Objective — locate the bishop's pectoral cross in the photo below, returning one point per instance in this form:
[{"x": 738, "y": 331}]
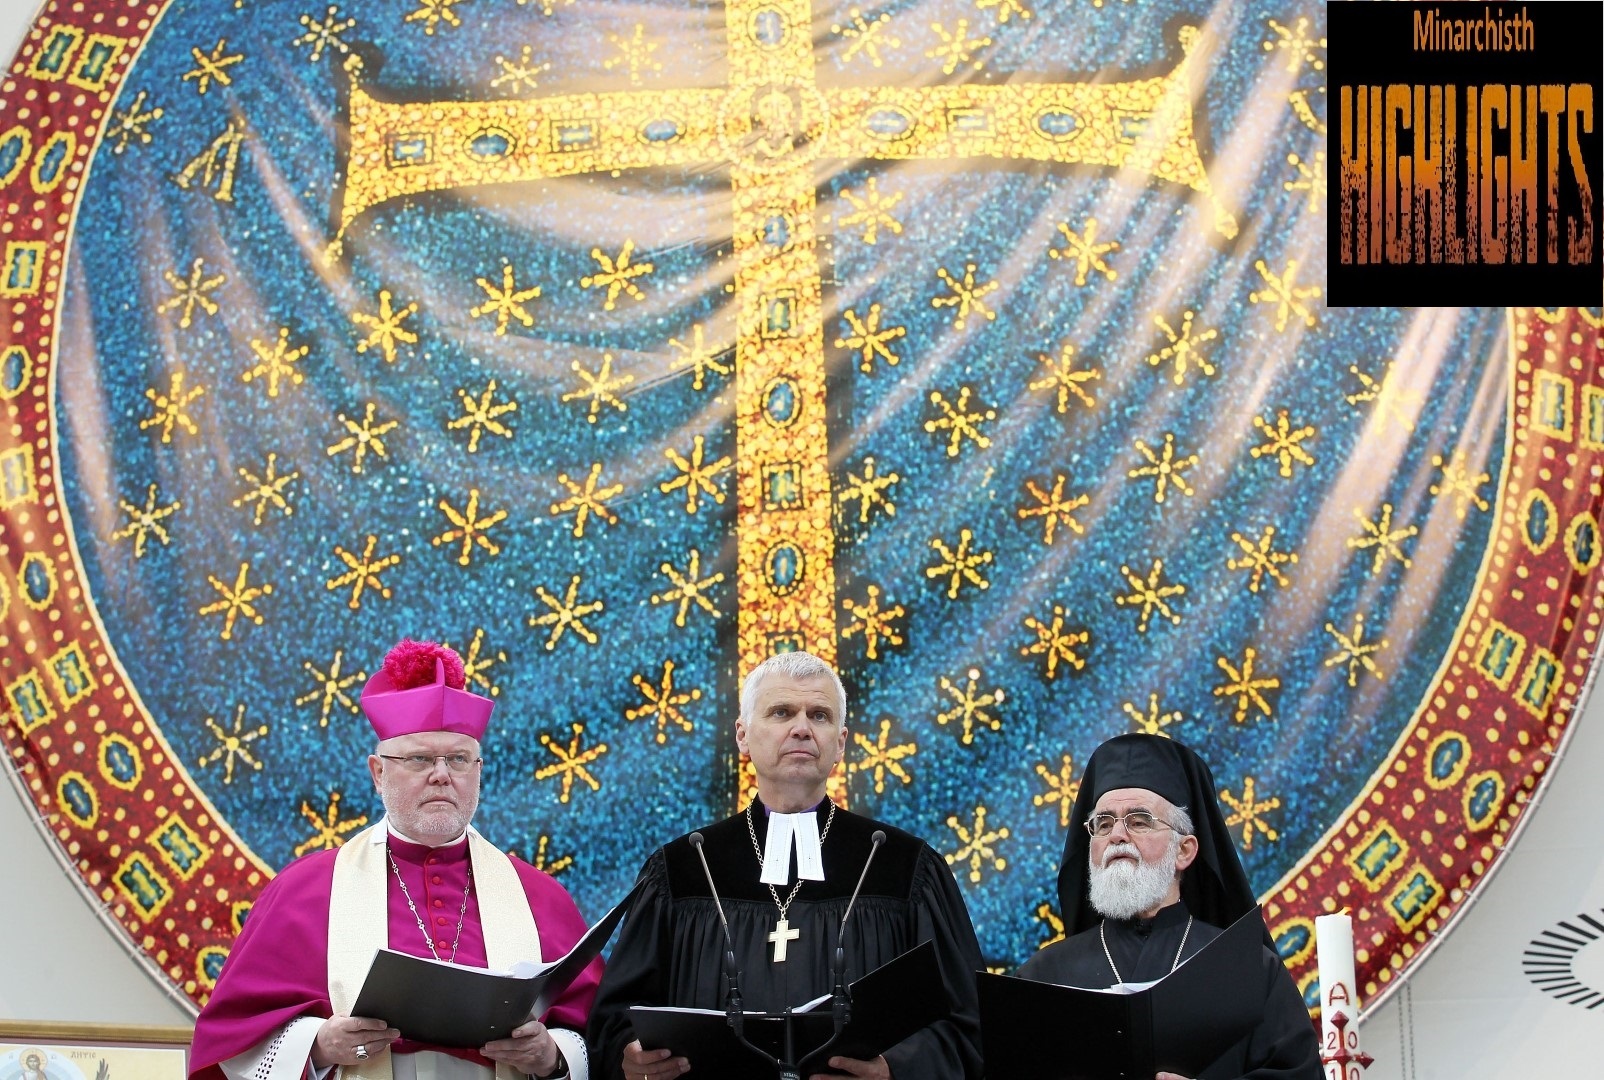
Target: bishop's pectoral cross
[
  {"x": 782, "y": 934},
  {"x": 768, "y": 126}
]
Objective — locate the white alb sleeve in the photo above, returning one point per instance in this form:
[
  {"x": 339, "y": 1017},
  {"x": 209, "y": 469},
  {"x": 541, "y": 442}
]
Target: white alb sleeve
[
  {"x": 285, "y": 1056},
  {"x": 572, "y": 1044}
]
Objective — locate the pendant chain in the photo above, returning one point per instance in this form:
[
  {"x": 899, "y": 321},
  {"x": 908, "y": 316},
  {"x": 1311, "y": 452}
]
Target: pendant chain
[
  {"x": 752, "y": 832},
  {"x": 424, "y": 930},
  {"x": 1118, "y": 978}
]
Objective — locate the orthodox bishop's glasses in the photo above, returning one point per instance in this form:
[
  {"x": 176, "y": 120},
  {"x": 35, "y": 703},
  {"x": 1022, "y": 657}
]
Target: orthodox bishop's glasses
[{"x": 1137, "y": 823}]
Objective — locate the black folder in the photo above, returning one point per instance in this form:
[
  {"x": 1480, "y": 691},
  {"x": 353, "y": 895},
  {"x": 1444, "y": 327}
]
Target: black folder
[
  {"x": 1178, "y": 1024},
  {"x": 432, "y": 1001},
  {"x": 889, "y": 1004}
]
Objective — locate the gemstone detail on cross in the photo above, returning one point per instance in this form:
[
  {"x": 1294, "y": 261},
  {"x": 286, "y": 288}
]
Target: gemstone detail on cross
[{"x": 768, "y": 125}]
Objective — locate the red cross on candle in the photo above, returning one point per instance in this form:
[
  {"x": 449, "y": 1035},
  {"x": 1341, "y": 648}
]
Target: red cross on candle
[{"x": 1344, "y": 1054}]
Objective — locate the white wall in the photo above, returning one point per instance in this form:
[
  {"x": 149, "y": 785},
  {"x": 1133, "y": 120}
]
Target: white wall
[
  {"x": 62, "y": 962},
  {"x": 15, "y": 16},
  {"x": 1468, "y": 1010}
]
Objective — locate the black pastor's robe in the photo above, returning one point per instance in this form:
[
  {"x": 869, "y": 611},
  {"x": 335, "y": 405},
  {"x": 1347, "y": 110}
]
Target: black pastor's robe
[
  {"x": 671, "y": 947},
  {"x": 1282, "y": 1047}
]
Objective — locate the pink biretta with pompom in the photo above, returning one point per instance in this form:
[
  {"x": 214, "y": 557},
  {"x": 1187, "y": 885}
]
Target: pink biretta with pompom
[{"x": 420, "y": 687}]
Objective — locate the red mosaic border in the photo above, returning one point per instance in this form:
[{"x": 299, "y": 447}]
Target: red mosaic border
[{"x": 1438, "y": 813}]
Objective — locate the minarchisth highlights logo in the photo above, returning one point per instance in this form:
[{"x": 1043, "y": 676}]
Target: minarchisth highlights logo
[{"x": 1464, "y": 154}]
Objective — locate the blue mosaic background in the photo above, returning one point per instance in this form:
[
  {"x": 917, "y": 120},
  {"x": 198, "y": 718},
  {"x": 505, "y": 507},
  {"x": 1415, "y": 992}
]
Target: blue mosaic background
[{"x": 1312, "y": 754}]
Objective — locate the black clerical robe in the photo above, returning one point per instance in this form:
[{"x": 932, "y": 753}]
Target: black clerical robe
[
  {"x": 671, "y": 946},
  {"x": 1282, "y": 1047}
]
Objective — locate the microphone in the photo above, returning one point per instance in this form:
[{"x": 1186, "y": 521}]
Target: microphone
[
  {"x": 732, "y": 1003},
  {"x": 841, "y": 1004}
]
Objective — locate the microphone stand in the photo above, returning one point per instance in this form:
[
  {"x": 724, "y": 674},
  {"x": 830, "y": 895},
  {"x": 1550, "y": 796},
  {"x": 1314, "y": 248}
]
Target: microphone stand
[
  {"x": 840, "y": 999},
  {"x": 734, "y": 1014}
]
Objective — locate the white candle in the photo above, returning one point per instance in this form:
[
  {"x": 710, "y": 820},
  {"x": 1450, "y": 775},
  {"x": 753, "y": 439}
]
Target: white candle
[{"x": 1339, "y": 993}]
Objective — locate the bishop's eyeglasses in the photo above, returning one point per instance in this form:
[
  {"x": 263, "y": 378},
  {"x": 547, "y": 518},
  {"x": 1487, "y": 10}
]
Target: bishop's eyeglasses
[
  {"x": 422, "y": 763},
  {"x": 1137, "y": 823}
]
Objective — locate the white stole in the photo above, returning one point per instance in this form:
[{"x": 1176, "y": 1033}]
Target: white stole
[{"x": 359, "y": 924}]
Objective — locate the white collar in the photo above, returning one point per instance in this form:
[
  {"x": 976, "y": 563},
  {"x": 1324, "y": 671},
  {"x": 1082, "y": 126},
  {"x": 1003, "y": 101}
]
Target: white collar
[
  {"x": 803, "y": 828},
  {"x": 379, "y": 836}
]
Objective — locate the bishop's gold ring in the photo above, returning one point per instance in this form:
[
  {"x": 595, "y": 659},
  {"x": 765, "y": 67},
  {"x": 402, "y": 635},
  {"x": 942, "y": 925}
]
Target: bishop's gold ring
[{"x": 361, "y": 1051}]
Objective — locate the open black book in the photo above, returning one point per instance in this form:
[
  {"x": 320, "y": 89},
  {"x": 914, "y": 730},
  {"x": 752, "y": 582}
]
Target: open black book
[
  {"x": 1180, "y": 1023},
  {"x": 889, "y": 1004},
  {"x": 432, "y": 1001}
]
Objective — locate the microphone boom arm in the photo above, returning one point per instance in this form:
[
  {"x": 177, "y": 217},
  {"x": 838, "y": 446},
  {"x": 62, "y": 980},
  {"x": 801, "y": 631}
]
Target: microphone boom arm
[
  {"x": 840, "y": 1000},
  {"x": 732, "y": 999}
]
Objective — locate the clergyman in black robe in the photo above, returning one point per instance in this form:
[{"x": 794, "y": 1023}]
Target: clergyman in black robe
[
  {"x": 1145, "y": 888},
  {"x": 671, "y": 948}
]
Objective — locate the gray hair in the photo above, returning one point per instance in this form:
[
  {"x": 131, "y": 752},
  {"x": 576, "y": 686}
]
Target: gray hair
[
  {"x": 1181, "y": 821},
  {"x": 385, "y": 745},
  {"x": 796, "y": 665},
  {"x": 1180, "y": 826}
]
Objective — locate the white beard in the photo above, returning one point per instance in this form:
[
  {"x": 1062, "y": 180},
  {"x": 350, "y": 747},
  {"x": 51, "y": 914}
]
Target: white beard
[{"x": 1127, "y": 889}]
